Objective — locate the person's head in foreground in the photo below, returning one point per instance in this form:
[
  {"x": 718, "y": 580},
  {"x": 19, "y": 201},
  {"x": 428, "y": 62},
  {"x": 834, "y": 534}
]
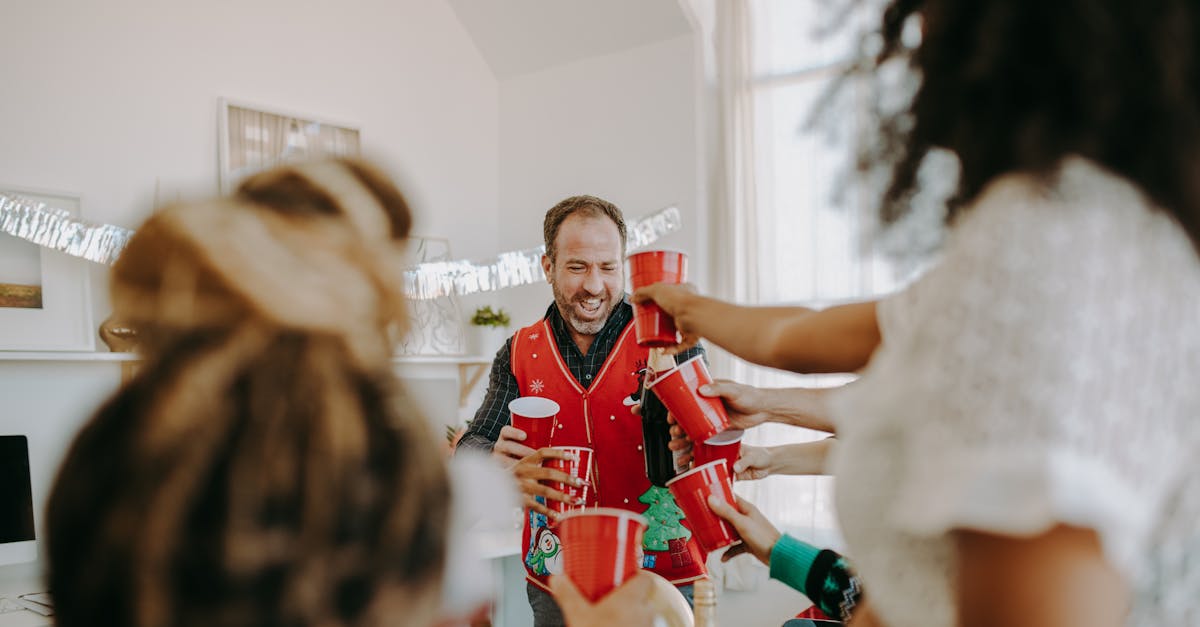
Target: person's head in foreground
[
  {"x": 262, "y": 468},
  {"x": 1017, "y": 86}
]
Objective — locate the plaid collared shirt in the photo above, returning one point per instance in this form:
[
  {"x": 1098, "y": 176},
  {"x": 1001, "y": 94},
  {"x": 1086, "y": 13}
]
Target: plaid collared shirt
[{"x": 484, "y": 429}]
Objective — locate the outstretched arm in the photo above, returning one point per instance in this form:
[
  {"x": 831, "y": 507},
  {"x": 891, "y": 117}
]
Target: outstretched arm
[
  {"x": 805, "y": 458},
  {"x": 750, "y": 406},
  {"x": 837, "y": 339}
]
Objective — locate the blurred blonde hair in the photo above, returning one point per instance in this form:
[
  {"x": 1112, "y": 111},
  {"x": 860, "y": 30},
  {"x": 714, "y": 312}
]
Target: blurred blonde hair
[{"x": 264, "y": 467}]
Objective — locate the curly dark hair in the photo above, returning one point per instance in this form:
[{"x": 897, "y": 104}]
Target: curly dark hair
[{"x": 1017, "y": 85}]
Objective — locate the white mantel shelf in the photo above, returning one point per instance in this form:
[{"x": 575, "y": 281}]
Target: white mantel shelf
[
  {"x": 99, "y": 356},
  {"x": 65, "y": 356},
  {"x": 442, "y": 359},
  {"x": 469, "y": 369}
]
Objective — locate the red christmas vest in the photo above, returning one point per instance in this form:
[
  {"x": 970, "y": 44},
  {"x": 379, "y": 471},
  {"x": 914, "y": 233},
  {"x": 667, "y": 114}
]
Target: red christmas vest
[{"x": 599, "y": 418}]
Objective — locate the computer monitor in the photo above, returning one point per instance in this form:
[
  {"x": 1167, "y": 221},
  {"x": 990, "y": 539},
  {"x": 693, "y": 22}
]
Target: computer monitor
[{"x": 17, "y": 538}]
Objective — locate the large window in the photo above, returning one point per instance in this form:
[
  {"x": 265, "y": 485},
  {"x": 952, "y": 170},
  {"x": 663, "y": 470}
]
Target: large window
[{"x": 814, "y": 213}]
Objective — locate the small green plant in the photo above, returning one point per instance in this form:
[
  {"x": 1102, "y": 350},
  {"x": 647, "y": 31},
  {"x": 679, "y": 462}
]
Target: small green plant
[{"x": 485, "y": 317}]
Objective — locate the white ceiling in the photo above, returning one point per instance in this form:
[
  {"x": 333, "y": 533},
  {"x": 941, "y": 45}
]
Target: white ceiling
[{"x": 520, "y": 36}]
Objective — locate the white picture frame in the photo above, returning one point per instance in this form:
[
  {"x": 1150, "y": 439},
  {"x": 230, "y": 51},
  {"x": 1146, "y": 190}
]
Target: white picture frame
[
  {"x": 63, "y": 322},
  {"x": 253, "y": 138}
]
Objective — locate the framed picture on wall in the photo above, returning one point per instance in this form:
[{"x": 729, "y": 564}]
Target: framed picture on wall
[
  {"x": 253, "y": 138},
  {"x": 45, "y": 302}
]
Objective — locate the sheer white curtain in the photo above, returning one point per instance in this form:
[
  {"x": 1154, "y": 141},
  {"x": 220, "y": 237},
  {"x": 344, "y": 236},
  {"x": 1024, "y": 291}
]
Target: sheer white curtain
[
  {"x": 792, "y": 212},
  {"x": 737, "y": 231}
]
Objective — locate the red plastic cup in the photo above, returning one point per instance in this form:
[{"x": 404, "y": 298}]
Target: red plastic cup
[
  {"x": 727, "y": 446},
  {"x": 700, "y": 417},
  {"x": 652, "y": 326},
  {"x": 670, "y": 264},
  {"x": 602, "y": 547},
  {"x": 691, "y": 490},
  {"x": 535, "y": 416},
  {"x": 580, "y": 467}
]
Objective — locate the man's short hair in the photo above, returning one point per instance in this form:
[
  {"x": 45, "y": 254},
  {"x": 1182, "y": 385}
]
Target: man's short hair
[{"x": 589, "y": 206}]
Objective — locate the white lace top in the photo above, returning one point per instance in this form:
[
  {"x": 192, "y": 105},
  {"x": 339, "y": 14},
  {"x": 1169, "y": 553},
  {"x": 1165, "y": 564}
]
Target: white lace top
[
  {"x": 1170, "y": 592},
  {"x": 1044, "y": 372}
]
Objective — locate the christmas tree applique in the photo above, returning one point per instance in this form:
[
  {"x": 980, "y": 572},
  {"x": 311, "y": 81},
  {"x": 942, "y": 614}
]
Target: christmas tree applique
[{"x": 664, "y": 516}]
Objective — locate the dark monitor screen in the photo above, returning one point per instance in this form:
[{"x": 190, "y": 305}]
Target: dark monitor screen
[{"x": 16, "y": 494}]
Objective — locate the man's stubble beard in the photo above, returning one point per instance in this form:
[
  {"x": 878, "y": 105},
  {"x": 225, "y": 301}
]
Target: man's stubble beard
[{"x": 582, "y": 327}]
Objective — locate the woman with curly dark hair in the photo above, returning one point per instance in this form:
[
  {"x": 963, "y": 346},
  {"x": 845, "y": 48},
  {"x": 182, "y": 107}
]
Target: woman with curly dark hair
[
  {"x": 1009, "y": 449},
  {"x": 1007, "y": 452},
  {"x": 263, "y": 467}
]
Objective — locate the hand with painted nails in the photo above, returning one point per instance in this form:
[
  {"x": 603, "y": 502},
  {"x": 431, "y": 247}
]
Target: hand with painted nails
[{"x": 531, "y": 474}]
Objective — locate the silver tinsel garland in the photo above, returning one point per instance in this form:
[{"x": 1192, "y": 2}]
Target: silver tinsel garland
[
  {"x": 520, "y": 267},
  {"x": 102, "y": 243},
  {"x": 58, "y": 230}
]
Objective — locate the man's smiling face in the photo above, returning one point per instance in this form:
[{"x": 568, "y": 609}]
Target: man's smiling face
[{"x": 587, "y": 274}]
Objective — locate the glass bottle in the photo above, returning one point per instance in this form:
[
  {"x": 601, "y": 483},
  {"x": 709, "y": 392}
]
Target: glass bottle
[{"x": 656, "y": 432}]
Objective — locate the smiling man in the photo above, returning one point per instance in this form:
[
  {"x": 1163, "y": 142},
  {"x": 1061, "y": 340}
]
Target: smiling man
[{"x": 583, "y": 356}]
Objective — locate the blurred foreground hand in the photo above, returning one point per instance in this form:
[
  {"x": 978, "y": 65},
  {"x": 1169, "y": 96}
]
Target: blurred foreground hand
[{"x": 635, "y": 603}]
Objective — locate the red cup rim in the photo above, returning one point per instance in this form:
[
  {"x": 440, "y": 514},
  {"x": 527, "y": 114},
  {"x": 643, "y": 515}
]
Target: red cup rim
[
  {"x": 726, "y": 437},
  {"x": 533, "y": 407},
  {"x": 605, "y": 511},
  {"x": 668, "y": 373},
  {"x": 698, "y": 469},
  {"x": 574, "y": 448},
  {"x": 659, "y": 376},
  {"x": 657, "y": 250}
]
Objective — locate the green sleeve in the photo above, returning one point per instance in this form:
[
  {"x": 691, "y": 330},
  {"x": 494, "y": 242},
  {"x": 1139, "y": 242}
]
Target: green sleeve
[
  {"x": 822, "y": 575},
  {"x": 791, "y": 561}
]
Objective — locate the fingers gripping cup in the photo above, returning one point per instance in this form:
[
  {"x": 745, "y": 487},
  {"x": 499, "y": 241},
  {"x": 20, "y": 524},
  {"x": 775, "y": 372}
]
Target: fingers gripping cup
[
  {"x": 602, "y": 547},
  {"x": 691, "y": 490},
  {"x": 581, "y": 467},
  {"x": 535, "y": 416},
  {"x": 652, "y": 326},
  {"x": 727, "y": 446},
  {"x": 700, "y": 417}
]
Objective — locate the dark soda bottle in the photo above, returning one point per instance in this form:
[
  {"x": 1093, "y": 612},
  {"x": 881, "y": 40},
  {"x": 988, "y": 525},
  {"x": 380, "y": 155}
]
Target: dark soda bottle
[{"x": 656, "y": 432}]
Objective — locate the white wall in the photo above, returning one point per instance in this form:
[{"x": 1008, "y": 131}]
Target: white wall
[
  {"x": 111, "y": 99},
  {"x": 620, "y": 126},
  {"x": 47, "y": 401}
]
